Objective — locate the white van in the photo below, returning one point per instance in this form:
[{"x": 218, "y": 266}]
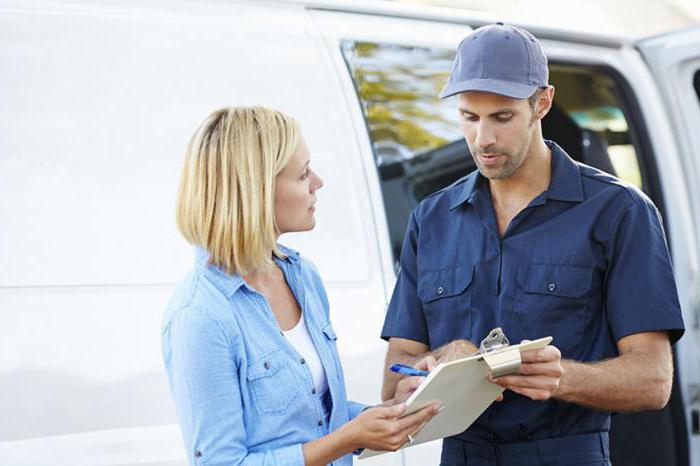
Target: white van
[{"x": 98, "y": 100}]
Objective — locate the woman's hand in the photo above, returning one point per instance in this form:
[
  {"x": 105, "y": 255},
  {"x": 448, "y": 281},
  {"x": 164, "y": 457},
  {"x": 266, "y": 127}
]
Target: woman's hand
[{"x": 381, "y": 428}]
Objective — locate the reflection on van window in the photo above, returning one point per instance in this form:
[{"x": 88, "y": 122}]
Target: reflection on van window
[
  {"x": 417, "y": 143},
  {"x": 418, "y": 146}
]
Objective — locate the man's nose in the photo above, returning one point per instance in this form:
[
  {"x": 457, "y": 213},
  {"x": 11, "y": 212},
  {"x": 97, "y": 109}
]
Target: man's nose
[{"x": 485, "y": 136}]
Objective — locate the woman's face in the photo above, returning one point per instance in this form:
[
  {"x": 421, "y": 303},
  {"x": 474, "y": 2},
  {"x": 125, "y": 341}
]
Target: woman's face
[{"x": 295, "y": 193}]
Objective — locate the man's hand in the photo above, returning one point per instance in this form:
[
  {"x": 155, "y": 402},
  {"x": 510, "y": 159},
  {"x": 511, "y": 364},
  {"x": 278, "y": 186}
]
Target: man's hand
[
  {"x": 539, "y": 374},
  {"x": 456, "y": 349}
]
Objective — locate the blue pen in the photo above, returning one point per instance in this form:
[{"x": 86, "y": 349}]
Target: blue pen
[{"x": 407, "y": 370}]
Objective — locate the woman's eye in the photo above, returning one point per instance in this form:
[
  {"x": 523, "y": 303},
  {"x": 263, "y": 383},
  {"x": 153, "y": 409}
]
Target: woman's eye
[{"x": 305, "y": 174}]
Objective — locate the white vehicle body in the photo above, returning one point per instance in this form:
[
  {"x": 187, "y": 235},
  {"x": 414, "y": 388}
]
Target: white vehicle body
[{"x": 98, "y": 101}]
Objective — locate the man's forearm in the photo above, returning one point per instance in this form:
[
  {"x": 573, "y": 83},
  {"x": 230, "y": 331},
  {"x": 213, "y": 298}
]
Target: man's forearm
[{"x": 631, "y": 382}]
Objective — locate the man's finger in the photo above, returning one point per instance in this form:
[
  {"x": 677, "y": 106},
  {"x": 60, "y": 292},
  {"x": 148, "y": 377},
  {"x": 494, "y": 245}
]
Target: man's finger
[
  {"x": 551, "y": 369},
  {"x": 427, "y": 364},
  {"x": 546, "y": 354},
  {"x": 527, "y": 381}
]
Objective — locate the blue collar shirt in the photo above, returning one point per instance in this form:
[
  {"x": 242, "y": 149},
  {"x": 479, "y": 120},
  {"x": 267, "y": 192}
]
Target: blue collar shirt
[
  {"x": 243, "y": 394},
  {"x": 585, "y": 262}
]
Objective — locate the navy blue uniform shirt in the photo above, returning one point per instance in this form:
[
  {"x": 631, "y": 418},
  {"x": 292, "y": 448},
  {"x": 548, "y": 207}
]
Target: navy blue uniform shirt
[{"x": 585, "y": 262}]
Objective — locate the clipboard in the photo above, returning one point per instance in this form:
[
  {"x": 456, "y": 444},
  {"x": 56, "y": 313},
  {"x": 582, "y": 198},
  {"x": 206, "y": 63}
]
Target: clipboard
[{"x": 463, "y": 388}]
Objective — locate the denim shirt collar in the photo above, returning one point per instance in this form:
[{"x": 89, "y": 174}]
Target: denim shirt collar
[
  {"x": 228, "y": 283},
  {"x": 565, "y": 183}
]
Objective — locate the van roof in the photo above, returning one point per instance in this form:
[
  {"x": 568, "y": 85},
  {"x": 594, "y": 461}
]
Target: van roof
[{"x": 456, "y": 16}]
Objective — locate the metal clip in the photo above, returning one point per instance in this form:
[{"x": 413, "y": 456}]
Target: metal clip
[
  {"x": 496, "y": 339},
  {"x": 500, "y": 362}
]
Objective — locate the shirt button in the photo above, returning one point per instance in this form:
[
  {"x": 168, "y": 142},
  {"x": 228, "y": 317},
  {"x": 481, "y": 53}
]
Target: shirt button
[
  {"x": 552, "y": 286},
  {"x": 440, "y": 290},
  {"x": 266, "y": 365},
  {"x": 320, "y": 422},
  {"x": 303, "y": 361},
  {"x": 198, "y": 454},
  {"x": 313, "y": 391}
]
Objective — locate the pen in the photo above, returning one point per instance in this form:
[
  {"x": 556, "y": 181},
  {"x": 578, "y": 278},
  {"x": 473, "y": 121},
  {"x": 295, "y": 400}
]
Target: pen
[{"x": 407, "y": 370}]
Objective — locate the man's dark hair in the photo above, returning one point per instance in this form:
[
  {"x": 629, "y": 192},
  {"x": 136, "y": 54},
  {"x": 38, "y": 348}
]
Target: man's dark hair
[{"x": 532, "y": 100}]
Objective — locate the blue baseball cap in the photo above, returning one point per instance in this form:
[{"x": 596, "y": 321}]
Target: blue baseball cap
[{"x": 501, "y": 59}]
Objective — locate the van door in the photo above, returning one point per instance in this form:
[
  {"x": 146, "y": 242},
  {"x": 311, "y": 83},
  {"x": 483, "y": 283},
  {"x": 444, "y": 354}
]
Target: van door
[{"x": 674, "y": 60}]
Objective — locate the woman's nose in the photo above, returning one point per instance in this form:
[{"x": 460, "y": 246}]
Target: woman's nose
[{"x": 317, "y": 182}]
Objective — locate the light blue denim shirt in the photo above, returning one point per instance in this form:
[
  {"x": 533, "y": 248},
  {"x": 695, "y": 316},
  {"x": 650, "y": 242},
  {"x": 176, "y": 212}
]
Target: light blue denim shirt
[{"x": 243, "y": 394}]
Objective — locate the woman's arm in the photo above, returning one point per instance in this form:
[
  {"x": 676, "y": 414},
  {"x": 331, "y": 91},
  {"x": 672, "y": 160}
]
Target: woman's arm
[
  {"x": 198, "y": 352},
  {"x": 378, "y": 428}
]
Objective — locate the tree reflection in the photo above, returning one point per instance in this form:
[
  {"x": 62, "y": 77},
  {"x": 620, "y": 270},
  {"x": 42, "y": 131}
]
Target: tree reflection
[{"x": 398, "y": 87}]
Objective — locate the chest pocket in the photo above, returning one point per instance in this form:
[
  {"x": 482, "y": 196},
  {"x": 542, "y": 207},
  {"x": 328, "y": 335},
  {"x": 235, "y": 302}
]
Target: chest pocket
[
  {"x": 551, "y": 300},
  {"x": 273, "y": 384},
  {"x": 446, "y": 300}
]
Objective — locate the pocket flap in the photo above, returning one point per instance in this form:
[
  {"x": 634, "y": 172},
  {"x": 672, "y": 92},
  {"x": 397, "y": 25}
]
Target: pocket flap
[
  {"x": 329, "y": 332},
  {"x": 268, "y": 365},
  {"x": 556, "y": 280},
  {"x": 444, "y": 283}
]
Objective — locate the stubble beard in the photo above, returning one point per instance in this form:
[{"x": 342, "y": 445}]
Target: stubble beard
[{"x": 512, "y": 161}]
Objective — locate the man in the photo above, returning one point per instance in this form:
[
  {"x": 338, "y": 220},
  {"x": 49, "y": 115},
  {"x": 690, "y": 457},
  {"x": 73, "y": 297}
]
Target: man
[{"x": 539, "y": 245}]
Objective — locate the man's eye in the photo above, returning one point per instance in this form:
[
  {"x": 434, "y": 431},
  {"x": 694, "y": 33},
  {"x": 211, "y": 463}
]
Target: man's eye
[
  {"x": 467, "y": 117},
  {"x": 503, "y": 118}
]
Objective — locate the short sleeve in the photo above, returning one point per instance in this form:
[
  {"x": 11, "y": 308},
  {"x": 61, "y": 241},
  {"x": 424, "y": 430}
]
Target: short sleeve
[
  {"x": 405, "y": 318},
  {"x": 641, "y": 293}
]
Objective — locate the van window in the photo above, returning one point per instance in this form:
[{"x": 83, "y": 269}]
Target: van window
[
  {"x": 696, "y": 83},
  {"x": 416, "y": 139}
]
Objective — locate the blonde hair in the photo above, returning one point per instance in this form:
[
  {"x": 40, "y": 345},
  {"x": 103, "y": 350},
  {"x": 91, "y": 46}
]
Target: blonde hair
[{"x": 227, "y": 188}]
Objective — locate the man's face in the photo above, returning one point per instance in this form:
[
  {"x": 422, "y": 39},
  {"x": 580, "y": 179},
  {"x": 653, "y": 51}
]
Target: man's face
[{"x": 498, "y": 131}]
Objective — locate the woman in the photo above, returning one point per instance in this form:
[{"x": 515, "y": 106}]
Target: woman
[{"x": 247, "y": 340}]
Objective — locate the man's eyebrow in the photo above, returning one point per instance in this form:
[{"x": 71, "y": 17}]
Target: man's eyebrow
[{"x": 496, "y": 113}]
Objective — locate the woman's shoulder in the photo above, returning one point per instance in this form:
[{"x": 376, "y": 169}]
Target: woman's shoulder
[
  {"x": 308, "y": 268},
  {"x": 201, "y": 299}
]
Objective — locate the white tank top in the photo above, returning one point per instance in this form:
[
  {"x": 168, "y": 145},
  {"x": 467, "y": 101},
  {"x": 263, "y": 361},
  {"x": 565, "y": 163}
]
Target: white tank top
[{"x": 300, "y": 340}]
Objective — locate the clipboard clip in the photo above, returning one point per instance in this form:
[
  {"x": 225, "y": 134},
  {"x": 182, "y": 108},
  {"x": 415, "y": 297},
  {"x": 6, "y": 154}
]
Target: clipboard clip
[{"x": 500, "y": 360}]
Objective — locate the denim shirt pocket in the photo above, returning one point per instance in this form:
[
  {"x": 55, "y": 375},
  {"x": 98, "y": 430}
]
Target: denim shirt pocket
[
  {"x": 551, "y": 301},
  {"x": 446, "y": 300},
  {"x": 273, "y": 384}
]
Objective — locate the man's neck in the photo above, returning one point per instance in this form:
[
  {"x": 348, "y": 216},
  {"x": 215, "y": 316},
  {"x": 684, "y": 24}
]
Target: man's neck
[{"x": 531, "y": 179}]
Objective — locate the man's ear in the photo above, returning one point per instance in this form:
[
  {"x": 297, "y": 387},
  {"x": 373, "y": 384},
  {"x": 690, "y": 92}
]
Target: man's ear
[{"x": 544, "y": 102}]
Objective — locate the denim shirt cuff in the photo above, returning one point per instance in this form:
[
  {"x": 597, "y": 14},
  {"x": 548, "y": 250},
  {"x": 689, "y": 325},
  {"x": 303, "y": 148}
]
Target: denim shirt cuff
[
  {"x": 355, "y": 408},
  {"x": 292, "y": 455}
]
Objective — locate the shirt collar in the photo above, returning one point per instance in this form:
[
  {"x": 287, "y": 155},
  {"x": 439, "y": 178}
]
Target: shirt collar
[
  {"x": 565, "y": 183},
  {"x": 228, "y": 283}
]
